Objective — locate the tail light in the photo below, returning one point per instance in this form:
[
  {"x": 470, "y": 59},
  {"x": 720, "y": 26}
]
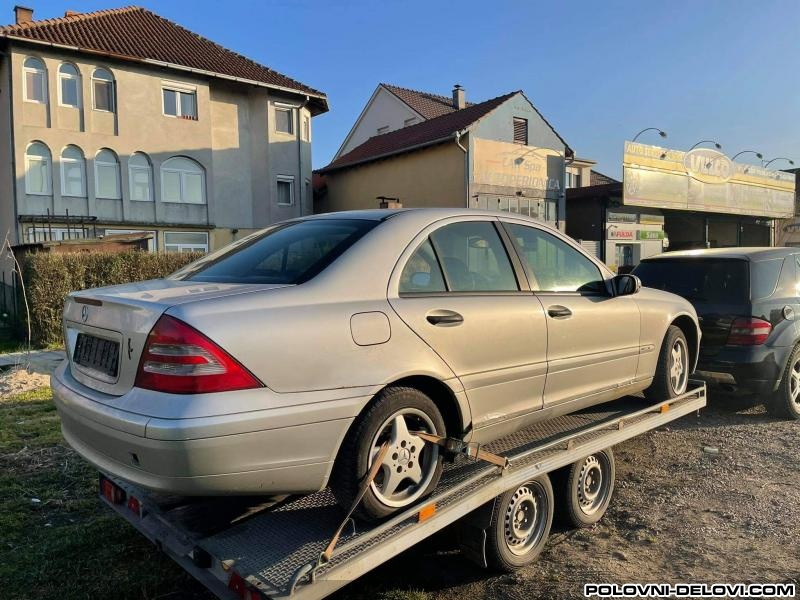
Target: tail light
[
  {"x": 749, "y": 331},
  {"x": 180, "y": 360}
]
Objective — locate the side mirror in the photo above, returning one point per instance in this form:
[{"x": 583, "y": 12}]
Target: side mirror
[{"x": 626, "y": 284}]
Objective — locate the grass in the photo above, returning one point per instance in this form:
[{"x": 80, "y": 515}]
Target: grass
[{"x": 57, "y": 540}]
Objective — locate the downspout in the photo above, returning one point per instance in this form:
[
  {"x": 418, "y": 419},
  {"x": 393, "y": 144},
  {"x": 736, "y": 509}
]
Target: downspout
[{"x": 458, "y": 135}]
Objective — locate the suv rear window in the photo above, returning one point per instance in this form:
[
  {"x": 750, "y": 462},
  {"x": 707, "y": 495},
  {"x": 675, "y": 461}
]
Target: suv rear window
[
  {"x": 719, "y": 281},
  {"x": 287, "y": 254}
]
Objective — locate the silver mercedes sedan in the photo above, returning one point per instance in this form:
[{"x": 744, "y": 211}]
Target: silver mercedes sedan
[{"x": 283, "y": 362}]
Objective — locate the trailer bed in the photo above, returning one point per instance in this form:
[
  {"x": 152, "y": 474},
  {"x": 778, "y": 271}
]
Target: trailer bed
[{"x": 254, "y": 547}]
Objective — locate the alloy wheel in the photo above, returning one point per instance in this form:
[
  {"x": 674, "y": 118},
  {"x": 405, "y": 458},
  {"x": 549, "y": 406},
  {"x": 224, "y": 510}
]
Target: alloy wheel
[
  {"x": 678, "y": 366},
  {"x": 410, "y": 463}
]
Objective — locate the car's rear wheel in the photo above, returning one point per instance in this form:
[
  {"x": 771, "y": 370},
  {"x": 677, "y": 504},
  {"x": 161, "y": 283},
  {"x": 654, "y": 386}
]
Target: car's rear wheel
[
  {"x": 786, "y": 400},
  {"x": 410, "y": 469},
  {"x": 672, "y": 370}
]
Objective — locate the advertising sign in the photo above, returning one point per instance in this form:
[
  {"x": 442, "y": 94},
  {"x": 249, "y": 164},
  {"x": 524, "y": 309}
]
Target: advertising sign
[
  {"x": 651, "y": 234},
  {"x": 621, "y": 234},
  {"x": 506, "y": 165},
  {"x": 703, "y": 180}
]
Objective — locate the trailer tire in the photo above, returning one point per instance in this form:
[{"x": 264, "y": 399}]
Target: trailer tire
[
  {"x": 373, "y": 427},
  {"x": 520, "y": 525},
  {"x": 584, "y": 489},
  {"x": 672, "y": 370}
]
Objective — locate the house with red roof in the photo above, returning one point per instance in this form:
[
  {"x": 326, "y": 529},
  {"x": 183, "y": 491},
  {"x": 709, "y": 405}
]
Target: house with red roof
[
  {"x": 123, "y": 121},
  {"x": 422, "y": 149}
]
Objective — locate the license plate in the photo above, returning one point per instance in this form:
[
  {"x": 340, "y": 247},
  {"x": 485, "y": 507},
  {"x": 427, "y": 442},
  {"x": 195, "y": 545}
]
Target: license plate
[{"x": 97, "y": 354}]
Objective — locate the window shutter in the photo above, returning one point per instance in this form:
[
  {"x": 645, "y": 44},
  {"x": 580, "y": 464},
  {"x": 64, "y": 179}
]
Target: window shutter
[{"x": 520, "y": 131}]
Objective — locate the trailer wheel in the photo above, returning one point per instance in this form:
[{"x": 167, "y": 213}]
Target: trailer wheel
[
  {"x": 520, "y": 525},
  {"x": 584, "y": 489}
]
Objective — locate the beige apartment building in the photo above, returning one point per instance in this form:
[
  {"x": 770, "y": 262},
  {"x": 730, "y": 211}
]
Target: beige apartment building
[{"x": 122, "y": 121}]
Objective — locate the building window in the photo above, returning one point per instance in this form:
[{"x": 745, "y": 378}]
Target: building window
[
  {"x": 520, "y": 131},
  {"x": 181, "y": 103},
  {"x": 140, "y": 177},
  {"x": 183, "y": 180},
  {"x": 285, "y": 190},
  {"x": 284, "y": 120},
  {"x": 106, "y": 175},
  {"x": 186, "y": 241},
  {"x": 307, "y": 128},
  {"x": 573, "y": 180},
  {"x": 35, "y": 80},
  {"x": 382, "y": 130},
  {"x": 103, "y": 90},
  {"x": 51, "y": 234},
  {"x": 69, "y": 86},
  {"x": 73, "y": 172},
  {"x": 37, "y": 170},
  {"x": 410, "y": 121}
]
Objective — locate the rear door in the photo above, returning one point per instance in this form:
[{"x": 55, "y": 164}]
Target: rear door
[
  {"x": 592, "y": 337},
  {"x": 458, "y": 289}
]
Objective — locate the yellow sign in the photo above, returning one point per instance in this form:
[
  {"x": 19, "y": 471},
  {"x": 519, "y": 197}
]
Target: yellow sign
[
  {"x": 519, "y": 167},
  {"x": 703, "y": 180}
]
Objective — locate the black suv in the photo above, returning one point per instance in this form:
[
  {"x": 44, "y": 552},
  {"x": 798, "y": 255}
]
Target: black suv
[{"x": 748, "y": 302}]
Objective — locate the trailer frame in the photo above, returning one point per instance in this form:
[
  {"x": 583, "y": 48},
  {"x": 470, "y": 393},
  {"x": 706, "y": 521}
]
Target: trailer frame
[{"x": 272, "y": 550}]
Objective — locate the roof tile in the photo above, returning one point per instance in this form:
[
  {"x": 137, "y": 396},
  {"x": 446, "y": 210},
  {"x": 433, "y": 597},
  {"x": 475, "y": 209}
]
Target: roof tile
[
  {"x": 135, "y": 33},
  {"x": 428, "y": 105},
  {"x": 427, "y": 132}
]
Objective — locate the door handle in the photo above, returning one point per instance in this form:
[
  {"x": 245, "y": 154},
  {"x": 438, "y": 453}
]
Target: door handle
[
  {"x": 444, "y": 317},
  {"x": 559, "y": 312}
]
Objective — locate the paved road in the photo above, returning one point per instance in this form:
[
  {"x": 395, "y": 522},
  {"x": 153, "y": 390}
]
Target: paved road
[{"x": 38, "y": 361}]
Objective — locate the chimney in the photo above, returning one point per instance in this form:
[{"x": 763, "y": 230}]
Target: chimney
[
  {"x": 71, "y": 13},
  {"x": 387, "y": 202},
  {"x": 459, "y": 97},
  {"x": 23, "y": 14}
]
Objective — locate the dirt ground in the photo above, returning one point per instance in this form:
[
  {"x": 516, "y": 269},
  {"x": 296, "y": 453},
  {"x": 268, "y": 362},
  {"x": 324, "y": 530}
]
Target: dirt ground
[
  {"x": 681, "y": 513},
  {"x": 18, "y": 380}
]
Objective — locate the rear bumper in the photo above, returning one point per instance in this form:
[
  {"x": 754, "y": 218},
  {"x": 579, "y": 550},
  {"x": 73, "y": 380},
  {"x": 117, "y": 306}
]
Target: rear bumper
[
  {"x": 204, "y": 456},
  {"x": 745, "y": 369}
]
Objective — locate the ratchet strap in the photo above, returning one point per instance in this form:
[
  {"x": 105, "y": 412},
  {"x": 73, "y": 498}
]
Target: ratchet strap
[
  {"x": 365, "y": 483},
  {"x": 472, "y": 450}
]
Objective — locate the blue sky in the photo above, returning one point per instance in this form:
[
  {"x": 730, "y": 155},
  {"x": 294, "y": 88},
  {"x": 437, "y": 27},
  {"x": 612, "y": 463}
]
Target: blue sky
[{"x": 598, "y": 71}]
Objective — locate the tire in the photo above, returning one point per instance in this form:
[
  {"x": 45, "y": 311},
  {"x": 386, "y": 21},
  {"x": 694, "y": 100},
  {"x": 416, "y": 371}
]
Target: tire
[
  {"x": 665, "y": 383},
  {"x": 584, "y": 489},
  {"x": 380, "y": 423},
  {"x": 508, "y": 546},
  {"x": 785, "y": 402}
]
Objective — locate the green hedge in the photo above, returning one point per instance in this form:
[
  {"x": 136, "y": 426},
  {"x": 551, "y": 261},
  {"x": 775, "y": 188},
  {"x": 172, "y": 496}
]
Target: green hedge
[{"x": 50, "y": 277}]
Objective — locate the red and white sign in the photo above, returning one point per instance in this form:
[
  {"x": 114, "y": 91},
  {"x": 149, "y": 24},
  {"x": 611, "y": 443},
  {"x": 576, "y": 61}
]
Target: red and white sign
[{"x": 621, "y": 234}]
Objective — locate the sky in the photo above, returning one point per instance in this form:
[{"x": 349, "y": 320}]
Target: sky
[{"x": 724, "y": 70}]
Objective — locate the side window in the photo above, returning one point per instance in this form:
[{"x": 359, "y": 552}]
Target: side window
[
  {"x": 552, "y": 264},
  {"x": 473, "y": 258},
  {"x": 764, "y": 277},
  {"x": 422, "y": 272}
]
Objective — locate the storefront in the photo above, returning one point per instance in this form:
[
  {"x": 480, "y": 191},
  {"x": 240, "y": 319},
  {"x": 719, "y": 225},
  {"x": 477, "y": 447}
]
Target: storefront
[{"x": 674, "y": 200}]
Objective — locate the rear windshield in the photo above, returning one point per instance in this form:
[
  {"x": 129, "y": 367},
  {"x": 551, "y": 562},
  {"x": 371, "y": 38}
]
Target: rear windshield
[
  {"x": 287, "y": 254},
  {"x": 719, "y": 281}
]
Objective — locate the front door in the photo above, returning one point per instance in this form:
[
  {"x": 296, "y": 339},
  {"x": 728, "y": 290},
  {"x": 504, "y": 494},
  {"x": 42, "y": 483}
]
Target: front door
[
  {"x": 459, "y": 292},
  {"x": 592, "y": 337}
]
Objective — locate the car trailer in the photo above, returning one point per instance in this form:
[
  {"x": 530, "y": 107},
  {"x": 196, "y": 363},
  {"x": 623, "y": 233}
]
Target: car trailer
[{"x": 246, "y": 548}]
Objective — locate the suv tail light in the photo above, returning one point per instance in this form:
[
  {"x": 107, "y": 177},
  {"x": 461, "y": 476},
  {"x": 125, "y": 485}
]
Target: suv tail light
[
  {"x": 749, "y": 331},
  {"x": 180, "y": 360}
]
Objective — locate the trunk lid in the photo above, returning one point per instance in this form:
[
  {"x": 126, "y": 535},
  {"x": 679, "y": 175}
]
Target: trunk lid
[
  {"x": 718, "y": 288},
  {"x": 106, "y": 329}
]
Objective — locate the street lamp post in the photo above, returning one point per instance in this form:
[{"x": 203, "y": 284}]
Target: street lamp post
[
  {"x": 768, "y": 162},
  {"x": 758, "y": 154},
  {"x": 661, "y": 132},
  {"x": 717, "y": 145}
]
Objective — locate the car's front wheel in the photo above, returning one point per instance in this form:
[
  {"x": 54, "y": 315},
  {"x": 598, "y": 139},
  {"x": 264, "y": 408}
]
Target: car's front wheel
[
  {"x": 672, "y": 370},
  {"x": 410, "y": 469}
]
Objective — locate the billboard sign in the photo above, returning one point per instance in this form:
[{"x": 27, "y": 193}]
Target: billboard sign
[
  {"x": 703, "y": 180},
  {"x": 502, "y": 167}
]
